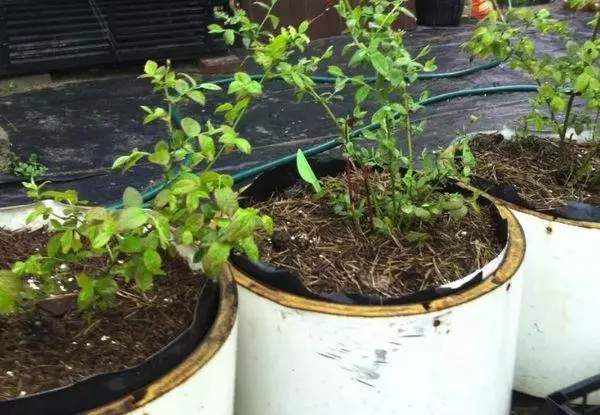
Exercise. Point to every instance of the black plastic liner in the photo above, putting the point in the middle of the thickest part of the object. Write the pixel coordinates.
(561, 402)
(439, 12)
(574, 210)
(277, 182)
(101, 389)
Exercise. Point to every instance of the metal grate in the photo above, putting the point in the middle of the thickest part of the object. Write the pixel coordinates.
(38, 35)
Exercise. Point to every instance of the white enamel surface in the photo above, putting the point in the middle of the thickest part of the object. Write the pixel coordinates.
(210, 391)
(295, 362)
(559, 333)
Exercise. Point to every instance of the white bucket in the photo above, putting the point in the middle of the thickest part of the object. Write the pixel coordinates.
(203, 383)
(559, 333)
(299, 356)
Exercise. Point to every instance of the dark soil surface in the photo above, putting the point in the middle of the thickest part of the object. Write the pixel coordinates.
(544, 176)
(330, 256)
(40, 351)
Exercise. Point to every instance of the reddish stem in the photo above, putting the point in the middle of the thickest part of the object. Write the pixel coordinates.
(365, 175)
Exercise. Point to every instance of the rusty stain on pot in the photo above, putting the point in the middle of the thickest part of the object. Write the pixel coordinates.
(212, 343)
(508, 287)
(548, 230)
(436, 323)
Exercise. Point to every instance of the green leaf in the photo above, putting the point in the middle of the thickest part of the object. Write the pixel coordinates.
(120, 161)
(131, 244)
(227, 201)
(190, 127)
(96, 214)
(306, 172)
(422, 213)
(229, 36)
(86, 291)
(303, 26)
(454, 202)
(105, 286)
(207, 145)
(152, 260)
(66, 240)
(53, 246)
(408, 209)
(254, 88)
(187, 238)
(209, 86)
(459, 213)
(224, 107)
(161, 157)
(380, 63)
(132, 198)
(10, 286)
(150, 67)
(361, 94)
(196, 96)
(101, 239)
(558, 104)
(241, 227)
(582, 82)
(215, 28)
(243, 145)
(162, 198)
(267, 223)
(39, 210)
(183, 186)
(262, 5)
(131, 218)
(250, 248)
(215, 258)
(335, 71)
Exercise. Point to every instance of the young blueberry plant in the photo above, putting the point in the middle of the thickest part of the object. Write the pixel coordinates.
(414, 191)
(562, 80)
(31, 168)
(197, 207)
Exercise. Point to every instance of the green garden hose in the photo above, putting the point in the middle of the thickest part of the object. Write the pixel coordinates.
(333, 142)
(370, 79)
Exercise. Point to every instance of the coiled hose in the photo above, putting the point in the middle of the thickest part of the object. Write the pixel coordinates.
(332, 141)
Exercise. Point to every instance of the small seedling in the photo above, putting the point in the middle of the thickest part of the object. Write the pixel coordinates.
(31, 168)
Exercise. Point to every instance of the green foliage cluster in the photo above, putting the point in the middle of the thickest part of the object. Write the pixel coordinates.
(198, 206)
(417, 182)
(31, 168)
(562, 80)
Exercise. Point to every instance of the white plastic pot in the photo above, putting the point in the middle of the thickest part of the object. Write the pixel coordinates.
(299, 356)
(559, 333)
(203, 383)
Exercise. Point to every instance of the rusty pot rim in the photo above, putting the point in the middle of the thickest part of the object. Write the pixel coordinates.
(540, 215)
(515, 252)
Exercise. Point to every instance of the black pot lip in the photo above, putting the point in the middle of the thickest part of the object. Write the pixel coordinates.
(508, 268)
(524, 210)
(219, 332)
